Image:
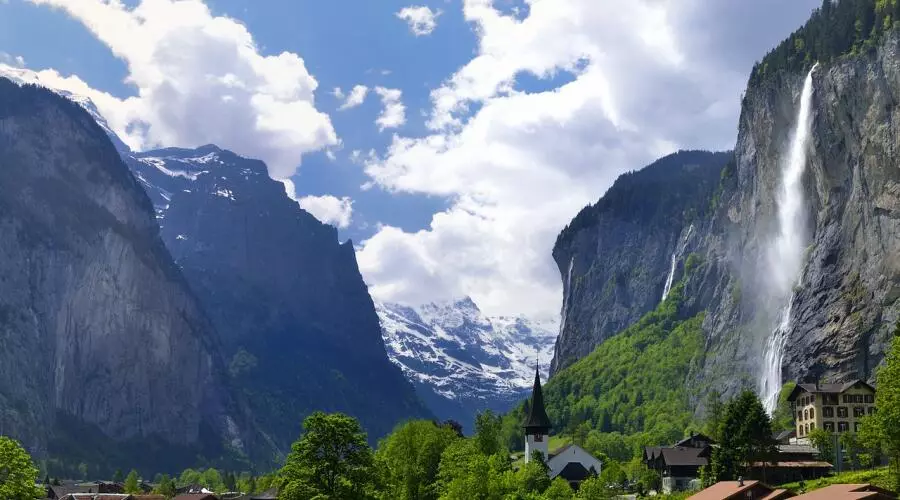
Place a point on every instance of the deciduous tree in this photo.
(17, 472)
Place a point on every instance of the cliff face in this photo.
(98, 327)
(616, 257)
(845, 303)
(299, 329)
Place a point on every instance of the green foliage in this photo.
(882, 430)
(166, 486)
(745, 437)
(715, 414)
(834, 30)
(408, 459)
(559, 489)
(332, 458)
(783, 418)
(643, 477)
(824, 442)
(692, 262)
(118, 477)
(592, 489)
(465, 473)
(613, 477)
(487, 432)
(610, 445)
(632, 384)
(131, 482)
(879, 477)
(17, 472)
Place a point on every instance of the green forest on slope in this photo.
(836, 29)
(631, 391)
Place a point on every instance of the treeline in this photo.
(837, 28)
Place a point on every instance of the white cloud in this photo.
(10, 60)
(201, 79)
(393, 115)
(356, 97)
(328, 209)
(338, 93)
(647, 77)
(421, 20)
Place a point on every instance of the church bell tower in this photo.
(537, 424)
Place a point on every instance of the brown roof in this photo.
(848, 492)
(196, 496)
(798, 464)
(825, 388)
(725, 490)
(681, 455)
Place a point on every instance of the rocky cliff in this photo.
(99, 329)
(844, 305)
(298, 327)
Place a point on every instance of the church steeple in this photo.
(537, 423)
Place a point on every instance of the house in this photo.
(679, 465)
(571, 462)
(794, 462)
(848, 492)
(833, 407)
(57, 492)
(574, 464)
(195, 496)
(741, 490)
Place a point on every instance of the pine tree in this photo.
(131, 483)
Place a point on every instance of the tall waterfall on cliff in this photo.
(786, 252)
(679, 249)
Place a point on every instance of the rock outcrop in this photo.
(98, 327)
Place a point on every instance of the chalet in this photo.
(833, 407)
(58, 492)
(794, 462)
(571, 462)
(679, 465)
(848, 492)
(741, 490)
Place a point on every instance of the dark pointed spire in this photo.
(537, 421)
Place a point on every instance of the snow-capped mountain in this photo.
(462, 361)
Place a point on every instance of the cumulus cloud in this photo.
(328, 209)
(200, 79)
(356, 97)
(393, 114)
(647, 78)
(421, 20)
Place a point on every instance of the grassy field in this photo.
(877, 477)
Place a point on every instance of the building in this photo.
(833, 407)
(679, 465)
(794, 462)
(741, 490)
(537, 423)
(572, 463)
(848, 492)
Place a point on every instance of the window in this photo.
(843, 427)
(871, 410)
(805, 414)
(800, 430)
(538, 438)
(859, 398)
(870, 398)
(846, 398)
(812, 426)
(829, 426)
(858, 411)
(855, 426)
(828, 412)
(812, 398)
(842, 412)
(831, 399)
(806, 431)
(812, 413)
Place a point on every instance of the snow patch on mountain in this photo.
(463, 356)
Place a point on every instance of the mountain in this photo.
(791, 257)
(295, 319)
(462, 361)
(107, 353)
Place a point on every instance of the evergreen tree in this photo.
(746, 437)
(409, 458)
(118, 477)
(166, 486)
(487, 432)
(230, 482)
(131, 483)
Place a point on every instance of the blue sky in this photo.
(516, 113)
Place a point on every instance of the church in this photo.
(571, 462)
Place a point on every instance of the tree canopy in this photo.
(17, 472)
(882, 429)
(745, 438)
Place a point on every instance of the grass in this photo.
(878, 477)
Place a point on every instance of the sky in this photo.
(451, 140)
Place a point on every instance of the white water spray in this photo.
(566, 293)
(786, 252)
(679, 249)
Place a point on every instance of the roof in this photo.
(848, 492)
(796, 464)
(559, 451)
(724, 490)
(574, 471)
(798, 448)
(683, 455)
(66, 489)
(195, 496)
(781, 436)
(651, 451)
(537, 416)
(688, 441)
(825, 388)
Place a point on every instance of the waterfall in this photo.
(786, 251)
(567, 291)
(679, 249)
